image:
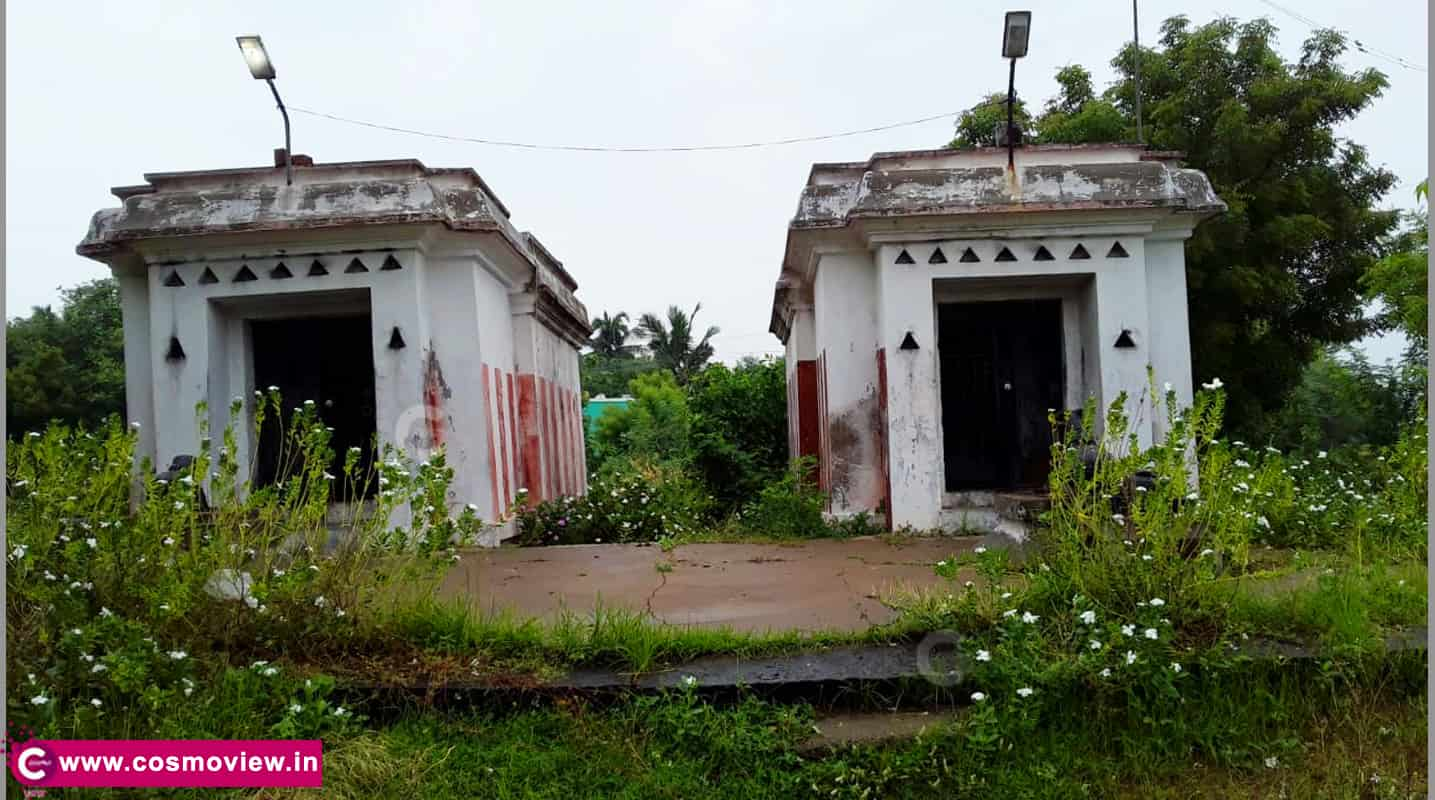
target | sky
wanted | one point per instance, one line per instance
(99, 96)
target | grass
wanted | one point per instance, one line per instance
(1321, 738)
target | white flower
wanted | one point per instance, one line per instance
(1130, 657)
(983, 655)
(1213, 385)
(942, 563)
(978, 697)
(95, 701)
(1166, 386)
(1128, 630)
(39, 700)
(18, 553)
(295, 708)
(1025, 691)
(98, 668)
(1028, 617)
(1106, 673)
(178, 655)
(1146, 557)
(320, 601)
(1094, 645)
(92, 542)
(1149, 633)
(1175, 667)
(1006, 595)
(278, 573)
(168, 540)
(1009, 613)
(1208, 551)
(269, 672)
(689, 680)
(1272, 762)
(1321, 454)
(314, 567)
(1088, 617)
(339, 612)
(178, 506)
(328, 477)
(1158, 602)
(77, 632)
(979, 550)
(50, 576)
(341, 711)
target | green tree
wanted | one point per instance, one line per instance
(69, 366)
(657, 424)
(979, 125)
(610, 376)
(1400, 280)
(739, 433)
(1278, 276)
(610, 336)
(672, 342)
(1343, 401)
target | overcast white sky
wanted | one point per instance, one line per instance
(99, 94)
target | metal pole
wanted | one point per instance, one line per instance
(1010, 103)
(1136, 38)
(288, 150)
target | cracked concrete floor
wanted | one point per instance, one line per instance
(818, 585)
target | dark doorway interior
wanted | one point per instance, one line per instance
(1002, 369)
(329, 360)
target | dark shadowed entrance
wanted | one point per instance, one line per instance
(329, 360)
(1001, 367)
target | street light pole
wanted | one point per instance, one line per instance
(1010, 124)
(288, 150)
(257, 57)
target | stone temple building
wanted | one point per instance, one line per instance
(935, 305)
(399, 298)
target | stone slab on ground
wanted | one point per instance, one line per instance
(809, 586)
(855, 727)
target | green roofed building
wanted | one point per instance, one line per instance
(600, 405)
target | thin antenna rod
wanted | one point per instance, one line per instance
(1136, 38)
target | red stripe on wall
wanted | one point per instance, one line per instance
(517, 465)
(503, 423)
(488, 407)
(550, 473)
(882, 454)
(582, 454)
(528, 419)
(572, 443)
(804, 412)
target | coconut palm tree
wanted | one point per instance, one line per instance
(610, 336)
(671, 341)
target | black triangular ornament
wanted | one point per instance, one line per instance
(175, 352)
(905, 258)
(969, 256)
(355, 266)
(937, 257)
(244, 274)
(396, 340)
(1116, 251)
(317, 268)
(390, 264)
(1043, 254)
(208, 276)
(280, 271)
(173, 279)
(1078, 253)
(1005, 255)
(1125, 340)
(908, 342)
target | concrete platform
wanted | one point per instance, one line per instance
(818, 585)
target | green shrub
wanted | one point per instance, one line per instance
(739, 436)
(628, 501)
(657, 425)
(788, 508)
(116, 605)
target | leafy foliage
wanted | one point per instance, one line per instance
(610, 336)
(68, 366)
(1400, 280)
(656, 425)
(1345, 403)
(674, 342)
(628, 501)
(980, 125)
(739, 428)
(1279, 274)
